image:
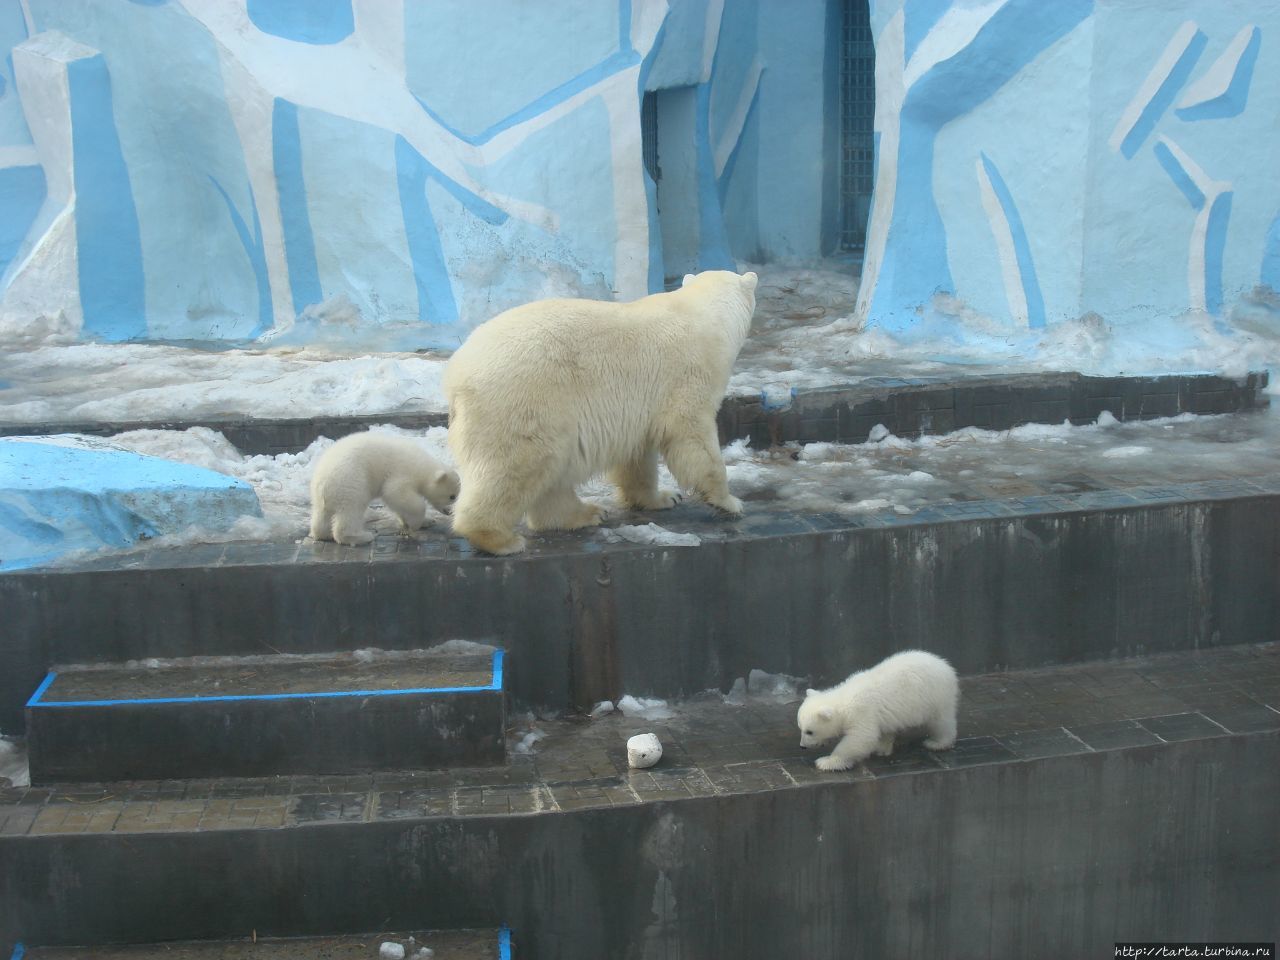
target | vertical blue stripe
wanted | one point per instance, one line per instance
(253, 249)
(295, 219)
(435, 292)
(108, 239)
(496, 682)
(1215, 245)
(919, 16)
(1021, 246)
(713, 243)
(504, 943)
(1164, 95)
(19, 951)
(1270, 272)
(22, 191)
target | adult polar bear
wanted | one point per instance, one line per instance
(545, 396)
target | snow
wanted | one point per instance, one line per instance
(650, 533)
(761, 685)
(804, 336)
(601, 709)
(13, 762)
(525, 745)
(644, 708)
(391, 951)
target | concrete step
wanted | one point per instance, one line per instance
(259, 716)
(1128, 800)
(841, 413)
(442, 944)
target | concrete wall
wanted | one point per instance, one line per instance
(218, 169)
(1041, 161)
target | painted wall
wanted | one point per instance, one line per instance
(1044, 160)
(289, 170)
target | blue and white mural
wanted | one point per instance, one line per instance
(1041, 161)
(240, 169)
(286, 170)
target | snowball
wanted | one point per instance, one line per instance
(878, 433)
(391, 951)
(644, 750)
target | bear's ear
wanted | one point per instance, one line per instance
(749, 280)
(687, 278)
(442, 476)
(825, 713)
(810, 692)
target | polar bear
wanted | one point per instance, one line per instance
(912, 690)
(364, 466)
(545, 396)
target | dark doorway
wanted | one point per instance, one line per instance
(857, 118)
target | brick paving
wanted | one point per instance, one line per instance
(710, 749)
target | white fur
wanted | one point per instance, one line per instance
(545, 396)
(908, 691)
(367, 466)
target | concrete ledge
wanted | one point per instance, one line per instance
(984, 861)
(312, 717)
(909, 407)
(989, 585)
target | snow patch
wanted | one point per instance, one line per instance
(13, 762)
(644, 708)
(650, 533)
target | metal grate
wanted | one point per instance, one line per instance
(649, 134)
(857, 118)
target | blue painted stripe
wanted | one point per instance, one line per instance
(22, 191)
(1215, 245)
(436, 303)
(607, 67)
(919, 17)
(494, 684)
(108, 239)
(35, 697)
(295, 218)
(319, 22)
(504, 943)
(713, 242)
(19, 951)
(1163, 96)
(1270, 271)
(1021, 246)
(1179, 175)
(1236, 97)
(253, 249)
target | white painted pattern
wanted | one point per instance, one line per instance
(1146, 92)
(1007, 256)
(1218, 77)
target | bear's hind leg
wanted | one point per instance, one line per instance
(693, 455)
(349, 528)
(637, 483)
(942, 733)
(487, 517)
(321, 523)
(406, 503)
(560, 509)
(885, 747)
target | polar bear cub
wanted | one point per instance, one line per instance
(547, 395)
(908, 691)
(365, 466)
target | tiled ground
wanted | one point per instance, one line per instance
(446, 944)
(710, 748)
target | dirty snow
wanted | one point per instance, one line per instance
(13, 762)
(649, 533)
(804, 336)
(644, 708)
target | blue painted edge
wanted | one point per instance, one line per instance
(494, 685)
(1162, 99)
(1021, 246)
(295, 218)
(436, 302)
(253, 249)
(1179, 175)
(19, 951)
(1215, 244)
(504, 943)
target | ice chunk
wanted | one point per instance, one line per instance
(773, 686)
(878, 433)
(644, 750)
(777, 397)
(644, 708)
(13, 763)
(650, 533)
(391, 951)
(525, 746)
(1106, 419)
(601, 709)
(1130, 451)
(737, 695)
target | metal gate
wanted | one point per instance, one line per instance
(857, 117)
